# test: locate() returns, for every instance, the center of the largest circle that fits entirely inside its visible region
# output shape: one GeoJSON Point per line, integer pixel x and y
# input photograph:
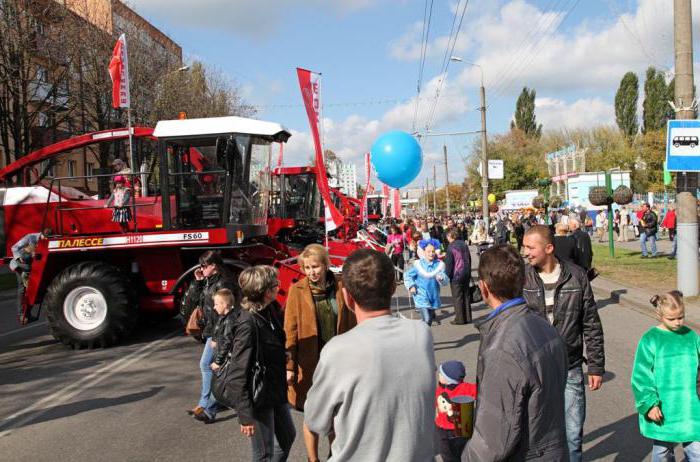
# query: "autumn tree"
{"type": "Point", "coordinates": [655, 106]}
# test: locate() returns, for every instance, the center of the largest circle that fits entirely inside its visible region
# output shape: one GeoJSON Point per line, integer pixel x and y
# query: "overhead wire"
{"type": "Point", "coordinates": [548, 24]}
{"type": "Point", "coordinates": [523, 65]}
{"type": "Point", "coordinates": [427, 12]}
{"type": "Point", "coordinates": [540, 25]}
{"type": "Point", "coordinates": [449, 49]}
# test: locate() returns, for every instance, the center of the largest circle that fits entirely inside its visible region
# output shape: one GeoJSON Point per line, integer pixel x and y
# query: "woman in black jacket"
{"type": "Point", "coordinates": [259, 338]}
{"type": "Point", "coordinates": [210, 277]}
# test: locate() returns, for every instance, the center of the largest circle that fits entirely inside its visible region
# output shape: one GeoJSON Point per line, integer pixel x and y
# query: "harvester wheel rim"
{"type": "Point", "coordinates": [85, 308]}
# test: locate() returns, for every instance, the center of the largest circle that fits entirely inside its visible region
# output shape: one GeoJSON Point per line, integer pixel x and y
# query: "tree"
{"type": "Point", "coordinates": [655, 104]}
{"type": "Point", "coordinates": [524, 118]}
{"type": "Point", "coordinates": [35, 103]}
{"type": "Point", "coordinates": [626, 105]}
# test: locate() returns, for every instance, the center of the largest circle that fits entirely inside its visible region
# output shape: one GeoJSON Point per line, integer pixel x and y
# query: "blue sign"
{"type": "Point", "coordinates": [683, 146]}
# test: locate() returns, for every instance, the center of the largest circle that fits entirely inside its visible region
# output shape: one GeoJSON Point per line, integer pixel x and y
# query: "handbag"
{"type": "Point", "coordinates": [475, 295]}
{"type": "Point", "coordinates": [193, 326]}
{"type": "Point", "coordinates": [219, 385]}
{"type": "Point", "coordinates": [257, 385]}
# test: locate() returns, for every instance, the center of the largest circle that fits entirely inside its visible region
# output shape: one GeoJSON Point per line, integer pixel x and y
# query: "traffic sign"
{"type": "Point", "coordinates": [683, 146]}
{"type": "Point", "coordinates": [495, 169]}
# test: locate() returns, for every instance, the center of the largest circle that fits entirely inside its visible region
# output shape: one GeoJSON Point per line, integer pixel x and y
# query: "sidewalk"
{"type": "Point", "coordinates": [608, 292]}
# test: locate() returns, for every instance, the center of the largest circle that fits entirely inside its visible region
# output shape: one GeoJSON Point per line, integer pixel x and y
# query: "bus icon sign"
{"type": "Point", "coordinates": [683, 146]}
{"type": "Point", "coordinates": [679, 141]}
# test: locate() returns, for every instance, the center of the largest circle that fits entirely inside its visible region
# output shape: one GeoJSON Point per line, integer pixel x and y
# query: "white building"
{"type": "Point", "coordinates": [347, 179]}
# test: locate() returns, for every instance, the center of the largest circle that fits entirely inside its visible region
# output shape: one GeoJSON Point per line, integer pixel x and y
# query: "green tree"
{"type": "Point", "coordinates": [524, 118]}
{"type": "Point", "coordinates": [626, 105]}
{"type": "Point", "coordinates": [655, 105]}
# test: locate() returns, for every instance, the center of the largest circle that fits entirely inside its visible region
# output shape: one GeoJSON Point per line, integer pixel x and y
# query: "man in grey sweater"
{"type": "Point", "coordinates": [374, 385]}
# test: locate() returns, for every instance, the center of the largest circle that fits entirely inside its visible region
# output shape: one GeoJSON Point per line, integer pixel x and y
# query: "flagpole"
{"type": "Point", "coordinates": [323, 154]}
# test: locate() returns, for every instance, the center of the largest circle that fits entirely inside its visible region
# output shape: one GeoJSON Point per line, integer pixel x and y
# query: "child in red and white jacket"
{"type": "Point", "coordinates": [450, 384]}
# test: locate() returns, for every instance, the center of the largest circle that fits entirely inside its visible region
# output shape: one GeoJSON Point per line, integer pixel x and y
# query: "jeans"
{"type": "Point", "coordinates": [574, 412]}
{"type": "Point", "coordinates": [675, 247]}
{"type": "Point", "coordinates": [428, 315]}
{"type": "Point", "coordinates": [207, 373]}
{"type": "Point", "coordinates": [663, 451]}
{"type": "Point", "coordinates": [643, 238]}
{"type": "Point", "coordinates": [274, 434]}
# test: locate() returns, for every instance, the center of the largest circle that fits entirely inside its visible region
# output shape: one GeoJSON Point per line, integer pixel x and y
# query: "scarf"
{"type": "Point", "coordinates": [326, 308]}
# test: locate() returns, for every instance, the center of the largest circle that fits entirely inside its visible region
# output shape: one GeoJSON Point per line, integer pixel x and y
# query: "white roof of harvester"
{"type": "Point", "coordinates": [220, 126]}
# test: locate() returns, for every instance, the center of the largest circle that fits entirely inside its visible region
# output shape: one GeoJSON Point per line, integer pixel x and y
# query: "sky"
{"type": "Point", "coordinates": [572, 52]}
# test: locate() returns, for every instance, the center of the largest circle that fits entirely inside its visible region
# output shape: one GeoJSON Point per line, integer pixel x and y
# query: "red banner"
{"type": "Point", "coordinates": [281, 156]}
{"type": "Point", "coordinates": [310, 93]}
{"type": "Point", "coordinates": [385, 200]}
{"type": "Point", "coordinates": [363, 204]}
{"type": "Point", "coordinates": [396, 199]}
{"type": "Point", "coordinates": [119, 73]}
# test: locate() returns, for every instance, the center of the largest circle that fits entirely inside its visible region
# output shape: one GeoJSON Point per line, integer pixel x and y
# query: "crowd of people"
{"type": "Point", "coordinates": [367, 379]}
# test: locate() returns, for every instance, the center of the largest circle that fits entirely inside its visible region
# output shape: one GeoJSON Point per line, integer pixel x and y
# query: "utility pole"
{"type": "Point", "coordinates": [686, 204]}
{"type": "Point", "coordinates": [434, 190]}
{"type": "Point", "coordinates": [426, 207]}
{"type": "Point", "coordinates": [484, 158]}
{"type": "Point", "coordinates": [447, 181]}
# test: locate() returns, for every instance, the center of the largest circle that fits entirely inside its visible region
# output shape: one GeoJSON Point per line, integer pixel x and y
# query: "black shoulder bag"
{"type": "Point", "coordinates": [257, 384]}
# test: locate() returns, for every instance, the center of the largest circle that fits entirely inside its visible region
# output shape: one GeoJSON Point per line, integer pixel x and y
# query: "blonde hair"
{"type": "Point", "coordinates": [670, 301]}
{"type": "Point", "coordinates": [562, 229]}
{"type": "Point", "coordinates": [227, 295]}
{"type": "Point", "coordinates": [316, 251]}
{"type": "Point", "coordinates": [255, 282]}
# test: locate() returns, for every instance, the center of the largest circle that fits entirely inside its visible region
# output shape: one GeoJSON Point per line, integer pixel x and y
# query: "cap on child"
{"type": "Point", "coordinates": [452, 372]}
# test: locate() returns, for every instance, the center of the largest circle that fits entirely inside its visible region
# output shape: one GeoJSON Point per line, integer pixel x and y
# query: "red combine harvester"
{"type": "Point", "coordinates": [210, 190]}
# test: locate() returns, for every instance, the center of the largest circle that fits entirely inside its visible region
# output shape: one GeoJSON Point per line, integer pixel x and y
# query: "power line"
{"type": "Point", "coordinates": [446, 60]}
{"type": "Point", "coordinates": [523, 65]}
{"type": "Point", "coordinates": [424, 51]}
{"type": "Point", "coordinates": [545, 22]}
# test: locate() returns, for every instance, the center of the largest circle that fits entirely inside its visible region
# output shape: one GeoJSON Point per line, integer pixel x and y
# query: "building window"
{"type": "Point", "coordinates": [71, 167]}
{"type": "Point", "coordinates": [42, 75]}
{"type": "Point", "coordinates": [90, 169]}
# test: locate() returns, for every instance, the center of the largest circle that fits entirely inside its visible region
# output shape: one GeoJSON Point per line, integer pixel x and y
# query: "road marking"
{"type": "Point", "coordinates": [22, 329]}
{"type": "Point", "coordinates": [91, 380]}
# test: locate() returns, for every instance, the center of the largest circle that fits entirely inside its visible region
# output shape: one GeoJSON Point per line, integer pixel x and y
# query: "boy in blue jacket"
{"type": "Point", "coordinates": [424, 278]}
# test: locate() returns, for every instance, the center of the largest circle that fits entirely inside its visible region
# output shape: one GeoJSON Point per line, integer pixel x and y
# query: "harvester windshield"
{"type": "Point", "coordinates": [218, 172]}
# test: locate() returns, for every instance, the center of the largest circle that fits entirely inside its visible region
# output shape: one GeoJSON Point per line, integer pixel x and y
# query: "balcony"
{"type": "Point", "coordinates": [42, 93]}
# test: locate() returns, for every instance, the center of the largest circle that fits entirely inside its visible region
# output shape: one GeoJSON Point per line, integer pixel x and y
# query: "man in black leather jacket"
{"type": "Point", "coordinates": [561, 293]}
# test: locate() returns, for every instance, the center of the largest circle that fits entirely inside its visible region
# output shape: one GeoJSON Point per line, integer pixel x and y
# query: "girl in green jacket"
{"type": "Point", "coordinates": [665, 381]}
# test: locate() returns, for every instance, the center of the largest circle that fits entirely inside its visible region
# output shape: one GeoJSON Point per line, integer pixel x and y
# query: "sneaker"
{"type": "Point", "coordinates": [204, 417]}
{"type": "Point", "coordinates": [644, 256]}
{"type": "Point", "coordinates": [671, 257]}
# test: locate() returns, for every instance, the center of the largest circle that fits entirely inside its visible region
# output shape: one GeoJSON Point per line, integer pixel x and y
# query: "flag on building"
{"type": "Point", "coordinates": [309, 83]}
{"type": "Point", "coordinates": [119, 73]}
{"type": "Point", "coordinates": [396, 203]}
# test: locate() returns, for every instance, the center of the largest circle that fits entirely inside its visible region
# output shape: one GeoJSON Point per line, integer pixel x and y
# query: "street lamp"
{"type": "Point", "coordinates": [484, 153]}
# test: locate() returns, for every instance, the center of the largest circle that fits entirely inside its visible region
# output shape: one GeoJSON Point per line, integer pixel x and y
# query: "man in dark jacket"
{"type": "Point", "coordinates": [649, 225]}
{"type": "Point", "coordinates": [458, 266]}
{"type": "Point", "coordinates": [583, 251]}
{"type": "Point", "coordinates": [521, 372]}
{"type": "Point", "coordinates": [561, 293]}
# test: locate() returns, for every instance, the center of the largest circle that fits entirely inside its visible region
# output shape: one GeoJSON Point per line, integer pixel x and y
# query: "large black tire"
{"type": "Point", "coordinates": [90, 284]}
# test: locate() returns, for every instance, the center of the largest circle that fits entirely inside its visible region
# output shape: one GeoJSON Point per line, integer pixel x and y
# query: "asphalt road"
{"type": "Point", "coordinates": [129, 402]}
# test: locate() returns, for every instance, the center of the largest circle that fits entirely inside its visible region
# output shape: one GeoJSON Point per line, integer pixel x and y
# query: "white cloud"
{"type": "Point", "coordinates": [516, 44]}
{"type": "Point", "coordinates": [249, 18]}
{"type": "Point", "coordinates": [554, 113]}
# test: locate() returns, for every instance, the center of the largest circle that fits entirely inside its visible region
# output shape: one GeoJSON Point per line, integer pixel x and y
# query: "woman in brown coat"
{"type": "Point", "coordinates": [315, 312]}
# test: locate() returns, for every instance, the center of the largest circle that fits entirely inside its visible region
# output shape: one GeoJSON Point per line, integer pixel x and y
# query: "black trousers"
{"type": "Point", "coordinates": [460, 297]}
{"type": "Point", "coordinates": [450, 447]}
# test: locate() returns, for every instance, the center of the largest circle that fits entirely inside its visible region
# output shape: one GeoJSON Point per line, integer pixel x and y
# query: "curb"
{"type": "Point", "coordinates": [622, 297]}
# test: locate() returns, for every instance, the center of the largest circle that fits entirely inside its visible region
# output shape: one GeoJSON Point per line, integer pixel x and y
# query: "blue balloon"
{"type": "Point", "coordinates": [397, 158]}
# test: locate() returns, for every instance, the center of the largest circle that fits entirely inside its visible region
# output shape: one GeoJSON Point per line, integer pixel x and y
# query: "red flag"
{"type": "Point", "coordinates": [396, 199]}
{"type": "Point", "coordinates": [281, 156]}
{"type": "Point", "coordinates": [310, 94]}
{"type": "Point", "coordinates": [119, 72]}
{"type": "Point", "coordinates": [385, 200]}
{"type": "Point", "coordinates": [363, 204]}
